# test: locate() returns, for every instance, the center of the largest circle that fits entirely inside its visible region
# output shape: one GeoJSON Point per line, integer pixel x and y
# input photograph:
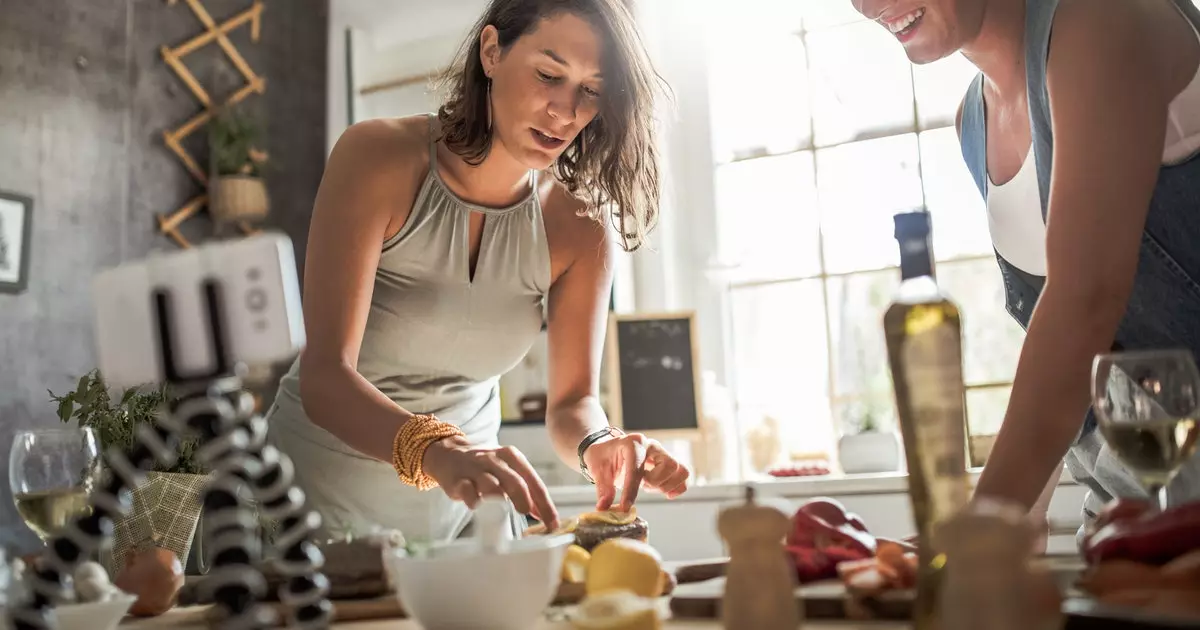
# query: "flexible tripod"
{"type": "Point", "coordinates": [213, 406]}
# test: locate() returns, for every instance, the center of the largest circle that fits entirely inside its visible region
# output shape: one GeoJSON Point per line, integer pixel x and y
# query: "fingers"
{"type": "Point", "coordinates": [510, 482]}
{"type": "Point", "coordinates": [463, 490]}
{"type": "Point", "coordinates": [538, 495]}
{"type": "Point", "coordinates": [606, 493]}
{"type": "Point", "coordinates": [634, 458]}
{"type": "Point", "coordinates": [664, 473]}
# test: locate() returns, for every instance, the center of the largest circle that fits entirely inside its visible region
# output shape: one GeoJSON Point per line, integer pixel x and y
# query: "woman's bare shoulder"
{"type": "Point", "coordinates": [571, 231]}
{"type": "Point", "coordinates": [384, 144]}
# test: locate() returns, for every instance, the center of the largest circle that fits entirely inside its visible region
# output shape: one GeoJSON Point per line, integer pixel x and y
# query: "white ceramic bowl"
{"type": "Point", "coordinates": [91, 616]}
{"type": "Point", "coordinates": [457, 587]}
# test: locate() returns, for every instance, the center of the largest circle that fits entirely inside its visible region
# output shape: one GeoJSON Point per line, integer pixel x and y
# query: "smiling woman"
{"type": "Point", "coordinates": [438, 245]}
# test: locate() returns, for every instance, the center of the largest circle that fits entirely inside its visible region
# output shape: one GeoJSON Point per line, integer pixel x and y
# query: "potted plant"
{"type": "Point", "coordinates": [236, 190]}
{"type": "Point", "coordinates": [167, 506]}
{"type": "Point", "coordinates": [866, 447]}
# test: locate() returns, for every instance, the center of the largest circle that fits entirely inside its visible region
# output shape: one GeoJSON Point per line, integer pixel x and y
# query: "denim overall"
{"type": "Point", "coordinates": [1164, 307]}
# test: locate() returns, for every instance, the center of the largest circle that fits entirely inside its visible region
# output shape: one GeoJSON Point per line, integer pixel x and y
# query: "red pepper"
{"type": "Point", "coordinates": [1152, 538]}
{"type": "Point", "coordinates": [814, 565]}
{"type": "Point", "coordinates": [824, 524]}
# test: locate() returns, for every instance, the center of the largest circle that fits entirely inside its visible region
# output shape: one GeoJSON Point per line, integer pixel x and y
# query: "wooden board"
{"type": "Point", "coordinates": [827, 601]}
{"type": "Point", "coordinates": [655, 375]}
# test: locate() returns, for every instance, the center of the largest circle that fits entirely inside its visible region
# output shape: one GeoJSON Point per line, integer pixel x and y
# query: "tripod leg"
{"type": "Point", "coordinates": [305, 592]}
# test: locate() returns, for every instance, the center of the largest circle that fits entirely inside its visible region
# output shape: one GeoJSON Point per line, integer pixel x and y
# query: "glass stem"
{"type": "Point", "coordinates": [1159, 491]}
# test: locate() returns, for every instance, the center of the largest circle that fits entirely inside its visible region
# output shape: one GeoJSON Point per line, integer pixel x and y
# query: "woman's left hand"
{"type": "Point", "coordinates": [633, 460]}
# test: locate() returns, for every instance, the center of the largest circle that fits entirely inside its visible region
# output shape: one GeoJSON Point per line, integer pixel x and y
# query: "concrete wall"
{"type": "Point", "coordinates": [84, 98]}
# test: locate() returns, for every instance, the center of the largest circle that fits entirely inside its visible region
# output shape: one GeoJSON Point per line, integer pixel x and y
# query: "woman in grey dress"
{"type": "Point", "coordinates": [439, 243]}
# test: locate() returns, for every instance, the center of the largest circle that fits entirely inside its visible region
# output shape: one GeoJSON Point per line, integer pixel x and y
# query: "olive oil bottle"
{"type": "Point", "coordinates": [924, 342]}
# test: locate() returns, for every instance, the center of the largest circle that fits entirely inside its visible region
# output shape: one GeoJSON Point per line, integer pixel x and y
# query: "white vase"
{"type": "Point", "coordinates": [869, 452]}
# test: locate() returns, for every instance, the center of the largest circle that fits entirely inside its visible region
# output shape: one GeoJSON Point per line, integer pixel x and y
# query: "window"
{"type": "Point", "coordinates": [821, 131]}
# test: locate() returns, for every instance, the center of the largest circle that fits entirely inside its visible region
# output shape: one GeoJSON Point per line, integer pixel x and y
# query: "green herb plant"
{"type": "Point", "coordinates": [115, 421]}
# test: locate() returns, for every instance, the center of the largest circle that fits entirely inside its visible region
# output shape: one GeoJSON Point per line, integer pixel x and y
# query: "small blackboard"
{"type": "Point", "coordinates": [656, 382]}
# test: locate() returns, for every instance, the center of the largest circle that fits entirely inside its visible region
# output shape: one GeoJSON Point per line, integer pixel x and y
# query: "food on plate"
{"type": "Point", "coordinates": [800, 469]}
{"type": "Point", "coordinates": [625, 564]}
{"type": "Point", "coordinates": [892, 567]}
{"type": "Point", "coordinates": [593, 528]}
{"type": "Point", "coordinates": [154, 575]}
{"type": "Point", "coordinates": [1144, 536]}
{"type": "Point", "coordinates": [575, 563]}
{"type": "Point", "coordinates": [616, 610]}
{"type": "Point", "coordinates": [824, 535]}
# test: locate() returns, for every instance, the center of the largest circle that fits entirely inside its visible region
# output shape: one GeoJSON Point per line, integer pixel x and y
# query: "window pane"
{"type": "Point", "coordinates": [861, 186]}
{"type": "Point", "coordinates": [985, 409]}
{"type": "Point", "coordinates": [856, 306]}
{"type": "Point", "coordinates": [820, 14]}
{"type": "Point", "coordinates": [767, 218]}
{"type": "Point", "coordinates": [758, 108]}
{"type": "Point", "coordinates": [861, 83]}
{"type": "Point", "coordinates": [781, 365]}
{"type": "Point", "coordinates": [991, 338]}
{"type": "Point", "coordinates": [960, 224]}
{"type": "Point", "coordinates": [940, 87]}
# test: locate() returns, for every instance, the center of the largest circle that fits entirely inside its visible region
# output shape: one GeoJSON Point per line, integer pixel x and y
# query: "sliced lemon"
{"type": "Point", "coordinates": [611, 517]}
{"type": "Point", "coordinates": [616, 610]}
{"type": "Point", "coordinates": [575, 564]}
{"type": "Point", "coordinates": [625, 564]}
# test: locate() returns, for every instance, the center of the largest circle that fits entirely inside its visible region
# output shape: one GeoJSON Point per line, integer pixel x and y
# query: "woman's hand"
{"type": "Point", "coordinates": [634, 460]}
{"type": "Point", "coordinates": [467, 474]}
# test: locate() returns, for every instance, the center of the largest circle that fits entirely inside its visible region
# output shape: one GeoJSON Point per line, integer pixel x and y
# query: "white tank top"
{"type": "Point", "coordinates": [1015, 208]}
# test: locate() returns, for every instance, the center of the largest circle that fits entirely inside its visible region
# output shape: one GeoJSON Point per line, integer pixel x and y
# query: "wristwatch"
{"type": "Point", "coordinates": [591, 439]}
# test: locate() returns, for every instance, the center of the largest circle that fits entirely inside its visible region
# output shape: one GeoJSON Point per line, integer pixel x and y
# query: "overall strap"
{"type": "Point", "coordinates": [1039, 19]}
{"type": "Point", "coordinates": [973, 134]}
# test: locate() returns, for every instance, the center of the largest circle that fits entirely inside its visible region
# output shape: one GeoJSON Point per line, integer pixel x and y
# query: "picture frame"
{"type": "Point", "coordinates": [16, 236]}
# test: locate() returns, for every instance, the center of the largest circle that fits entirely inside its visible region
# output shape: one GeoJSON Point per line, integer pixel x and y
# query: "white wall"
{"type": "Point", "coordinates": [391, 39]}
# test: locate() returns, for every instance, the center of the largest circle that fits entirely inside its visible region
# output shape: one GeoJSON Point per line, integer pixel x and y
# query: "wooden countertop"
{"type": "Point", "coordinates": [192, 618]}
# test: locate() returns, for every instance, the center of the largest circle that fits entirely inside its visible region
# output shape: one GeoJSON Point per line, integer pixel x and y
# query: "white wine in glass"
{"type": "Point", "coordinates": [51, 473]}
{"type": "Point", "coordinates": [1147, 405]}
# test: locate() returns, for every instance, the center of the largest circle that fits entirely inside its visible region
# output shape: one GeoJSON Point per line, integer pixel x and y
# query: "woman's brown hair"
{"type": "Point", "coordinates": [613, 164]}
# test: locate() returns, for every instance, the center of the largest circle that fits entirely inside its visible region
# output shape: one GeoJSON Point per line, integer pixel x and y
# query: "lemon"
{"type": "Point", "coordinates": [625, 564]}
{"type": "Point", "coordinates": [616, 610]}
{"type": "Point", "coordinates": [575, 563]}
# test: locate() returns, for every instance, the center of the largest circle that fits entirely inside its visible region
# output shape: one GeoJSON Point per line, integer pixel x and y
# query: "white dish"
{"type": "Point", "coordinates": [105, 615]}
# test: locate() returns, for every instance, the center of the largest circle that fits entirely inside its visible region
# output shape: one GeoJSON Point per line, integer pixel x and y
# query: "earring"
{"type": "Point", "coordinates": [489, 103]}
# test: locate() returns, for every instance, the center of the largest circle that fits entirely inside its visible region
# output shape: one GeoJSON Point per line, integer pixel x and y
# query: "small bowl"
{"type": "Point", "coordinates": [459, 587]}
{"type": "Point", "coordinates": [105, 615]}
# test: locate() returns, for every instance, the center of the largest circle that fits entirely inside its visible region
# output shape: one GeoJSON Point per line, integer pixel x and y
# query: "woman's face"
{"type": "Point", "coordinates": [928, 29]}
{"type": "Point", "coordinates": [545, 89]}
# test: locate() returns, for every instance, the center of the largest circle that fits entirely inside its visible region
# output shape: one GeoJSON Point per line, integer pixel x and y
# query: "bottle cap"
{"type": "Point", "coordinates": [913, 225]}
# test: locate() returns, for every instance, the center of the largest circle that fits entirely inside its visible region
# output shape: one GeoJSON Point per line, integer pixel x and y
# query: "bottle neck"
{"type": "Point", "coordinates": [916, 259]}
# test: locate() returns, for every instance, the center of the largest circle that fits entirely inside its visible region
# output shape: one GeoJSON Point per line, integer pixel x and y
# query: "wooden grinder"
{"type": "Point", "coordinates": [760, 585]}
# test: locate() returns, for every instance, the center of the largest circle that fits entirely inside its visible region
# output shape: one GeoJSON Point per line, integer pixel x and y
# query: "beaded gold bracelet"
{"type": "Point", "coordinates": [410, 443]}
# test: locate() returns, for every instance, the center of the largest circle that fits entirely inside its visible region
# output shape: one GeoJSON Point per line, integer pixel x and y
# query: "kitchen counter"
{"type": "Point", "coordinates": [192, 619]}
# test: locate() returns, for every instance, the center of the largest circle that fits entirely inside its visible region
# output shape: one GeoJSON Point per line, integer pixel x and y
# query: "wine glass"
{"type": "Point", "coordinates": [1147, 404]}
{"type": "Point", "coordinates": [51, 473]}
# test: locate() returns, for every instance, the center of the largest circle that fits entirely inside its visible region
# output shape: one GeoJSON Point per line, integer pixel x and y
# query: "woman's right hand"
{"type": "Point", "coordinates": [467, 474]}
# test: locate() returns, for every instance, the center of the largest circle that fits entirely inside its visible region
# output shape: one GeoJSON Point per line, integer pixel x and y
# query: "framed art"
{"type": "Point", "coordinates": [16, 229]}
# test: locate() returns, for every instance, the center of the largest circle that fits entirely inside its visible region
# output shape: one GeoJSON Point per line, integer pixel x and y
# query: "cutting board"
{"type": "Point", "coordinates": [389, 607]}
{"type": "Point", "coordinates": [828, 601]}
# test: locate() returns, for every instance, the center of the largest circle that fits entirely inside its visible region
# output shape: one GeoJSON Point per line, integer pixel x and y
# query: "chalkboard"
{"type": "Point", "coordinates": [657, 384]}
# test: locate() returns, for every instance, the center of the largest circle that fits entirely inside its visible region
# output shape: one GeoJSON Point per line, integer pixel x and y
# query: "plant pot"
{"type": "Point", "coordinates": [869, 452]}
{"type": "Point", "coordinates": [166, 509]}
{"type": "Point", "coordinates": [238, 198]}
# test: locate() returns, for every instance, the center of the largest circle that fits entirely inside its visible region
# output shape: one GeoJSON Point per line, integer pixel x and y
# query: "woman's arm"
{"type": "Point", "coordinates": [357, 206]}
{"type": "Point", "coordinates": [577, 322]}
{"type": "Point", "coordinates": [1110, 85]}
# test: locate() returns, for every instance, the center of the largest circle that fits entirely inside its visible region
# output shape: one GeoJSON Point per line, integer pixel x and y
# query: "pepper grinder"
{"type": "Point", "coordinates": [760, 584]}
